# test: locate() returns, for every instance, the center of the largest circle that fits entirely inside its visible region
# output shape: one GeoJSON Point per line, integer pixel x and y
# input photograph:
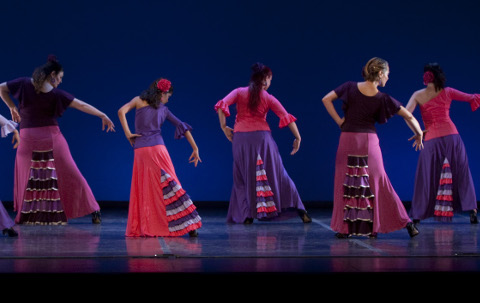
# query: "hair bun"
{"type": "Point", "coordinates": [257, 67]}
{"type": "Point", "coordinates": [52, 58]}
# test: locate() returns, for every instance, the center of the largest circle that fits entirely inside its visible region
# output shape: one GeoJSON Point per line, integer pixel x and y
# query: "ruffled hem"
{"type": "Point", "coordinates": [443, 204]}
{"type": "Point", "coordinates": [9, 127]}
{"type": "Point", "coordinates": [284, 121]}
{"type": "Point", "coordinates": [181, 129]}
{"type": "Point", "coordinates": [223, 106]}
{"type": "Point", "coordinates": [265, 204]}
{"type": "Point", "coordinates": [181, 213]}
{"type": "Point", "coordinates": [42, 204]}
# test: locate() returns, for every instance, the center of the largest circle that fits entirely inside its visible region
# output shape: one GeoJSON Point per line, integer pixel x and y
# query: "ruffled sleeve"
{"type": "Point", "coordinates": [390, 108]}
{"type": "Point", "coordinates": [473, 99]}
{"type": "Point", "coordinates": [6, 126]}
{"type": "Point", "coordinates": [223, 106]}
{"type": "Point", "coordinates": [180, 127]}
{"type": "Point", "coordinates": [285, 120]}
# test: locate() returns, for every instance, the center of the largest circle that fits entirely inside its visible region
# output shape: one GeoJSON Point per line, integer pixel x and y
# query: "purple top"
{"type": "Point", "coordinates": [148, 124]}
{"type": "Point", "coordinates": [361, 111]}
{"type": "Point", "coordinates": [38, 109]}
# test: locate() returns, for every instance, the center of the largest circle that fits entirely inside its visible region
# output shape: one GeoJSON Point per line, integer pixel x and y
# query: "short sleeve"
{"type": "Point", "coordinates": [389, 108]}
{"type": "Point", "coordinates": [342, 90]}
{"type": "Point", "coordinates": [180, 127]}
{"type": "Point", "coordinates": [63, 101]}
{"type": "Point", "coordinates": [15, 86]}
{"type": "Point", "coordinates": [228, 100]}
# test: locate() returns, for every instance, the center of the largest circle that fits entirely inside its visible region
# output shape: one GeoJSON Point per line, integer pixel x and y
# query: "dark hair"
{"type": "Point", "coordinates": [152, 94]}
{"type": "Point", "coordinates": [41, 73]}
{"type": "Point", "coordinates": [438, 74]}
{"type": "Point", "coordinates": [373, 67]}
{"type": "Point", "coordinates": [259, 73]}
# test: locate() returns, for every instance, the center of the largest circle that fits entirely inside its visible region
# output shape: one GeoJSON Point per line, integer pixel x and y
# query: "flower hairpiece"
{"type": "Point", "coordinates": [164, 85]}
{"type": "Point", "coordinates": [428, 77]}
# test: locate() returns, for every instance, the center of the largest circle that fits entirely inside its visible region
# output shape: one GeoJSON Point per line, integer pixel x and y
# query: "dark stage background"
{"type": "Point", "coordinates": [112, 50]}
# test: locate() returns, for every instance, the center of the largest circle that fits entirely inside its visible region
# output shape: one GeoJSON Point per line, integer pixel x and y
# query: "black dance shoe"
{"type": "Point", "coordinates": [193, 233]}
{"type": "Point", "coordinates": [10, 231]}
{"type": "Point", "coordinates": [304, 216]}
{"type": "Point", "coordinates": [96, 218]}
{"type": "Point", "coordinates": [342, 236]}
{"type": "Point", "coordinates": [412, 230]}
{"type": "Point", "coordinates": [248, 221]}
{"type": "Point", "coordinates": [473, 216]}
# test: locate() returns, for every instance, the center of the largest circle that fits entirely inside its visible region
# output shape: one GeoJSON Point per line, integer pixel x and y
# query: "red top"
{"type": "Point", "coordinates": [247, 120]}
{"type": "Point", "coordinates": [436, 112]}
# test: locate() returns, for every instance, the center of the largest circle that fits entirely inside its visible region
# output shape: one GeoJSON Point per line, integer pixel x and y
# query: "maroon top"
{"type": "Point", "coordinates": [361, 111]}
{"type": "Point", "coordinates": [38, 109]}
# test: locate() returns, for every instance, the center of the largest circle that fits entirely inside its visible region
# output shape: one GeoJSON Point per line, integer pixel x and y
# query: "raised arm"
{"type": "Point", "coordinates": [414, 126]}
{"type": "Point", "coordinates": [328, 103]}
{"type": "Point", "coordinates": [5, 95]}
{"type": "Point", "coordinates": [89, 109]}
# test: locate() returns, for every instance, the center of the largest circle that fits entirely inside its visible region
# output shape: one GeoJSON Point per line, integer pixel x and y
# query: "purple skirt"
{"type": "Point", "coordinates": [434, 195]}
{"type": "Point", "coordinates": [5, 220]}
{"type": "Point", "coordinates": [262, 188]}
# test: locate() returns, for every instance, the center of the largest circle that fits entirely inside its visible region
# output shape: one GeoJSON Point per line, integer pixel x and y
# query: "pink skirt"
{"type": "Point", "coordinates": [369, 199]}
{"type": "Point", "coordinates": [159, 206]}
{"type": "Point", "coordinates": [48, 186]}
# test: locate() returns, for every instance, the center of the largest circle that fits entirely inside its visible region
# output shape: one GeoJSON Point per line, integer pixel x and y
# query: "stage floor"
{"type": "Point", "coordinates": [263, 247]}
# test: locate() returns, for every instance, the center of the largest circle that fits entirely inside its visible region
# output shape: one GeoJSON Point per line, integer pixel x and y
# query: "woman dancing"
{"type": "Point", "coordinates": [365, 202]}
{"type": "Point", "coordinates": [443, 182]}
{"type": "Point", "coordinates": [262, 188]}
{"type": "Point", "coordinates": [48, 188]}
{"type": "Point", "coordinates": [159, 206]}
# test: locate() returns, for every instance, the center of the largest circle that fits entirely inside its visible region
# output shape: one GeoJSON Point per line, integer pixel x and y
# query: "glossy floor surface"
{"type": "Point", "coordinates": [281, 247]}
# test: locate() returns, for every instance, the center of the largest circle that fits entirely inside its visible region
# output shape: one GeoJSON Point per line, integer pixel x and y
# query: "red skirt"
{"type": "Point", "coordinates": [159, 206]}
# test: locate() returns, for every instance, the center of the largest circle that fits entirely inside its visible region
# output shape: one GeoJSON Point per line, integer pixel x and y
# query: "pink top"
{"type": "Point", "coordinates": [246, 120]}
{"type": "Point", "coordinates": [436, 112]}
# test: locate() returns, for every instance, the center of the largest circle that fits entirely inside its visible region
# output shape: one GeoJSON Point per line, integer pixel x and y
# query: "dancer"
{"type": "Point", "coordinates": [6, 223]}
{"type": "Point", "coordinates": [48, 188]}
{"type": "Point", "coordinates": [159, 206]}
{"type": "Point", "coordinates": [262, 188]}
{"type": "Point", "coordinates": [443, 182]}
{"type": "Point", "coordinates": [365, 202]}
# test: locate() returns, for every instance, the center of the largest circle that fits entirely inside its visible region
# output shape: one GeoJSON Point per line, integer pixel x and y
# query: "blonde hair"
{"type": "Point", "coordinates": [373, 67]}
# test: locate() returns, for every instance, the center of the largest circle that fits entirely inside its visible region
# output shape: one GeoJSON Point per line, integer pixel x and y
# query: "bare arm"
{"type": "Point", "coordinates": [223, 125]}
{"type": "Point", "coordinates": [414, 126]}
{"type": "Point", "coordinates": [328, 103]}
{"type": "Point", "coordinates": [5, 95]}
{"type": "Point", "coordinates": [122, 116]}
{"type": "Point", "coordinates": [296, 143]}
{"type": "Point", "coordinates": [194, 157]}
{"type": "Point", "coordinates": [412, 103]}
{"type": "Point", "coordinates": [89, 109]}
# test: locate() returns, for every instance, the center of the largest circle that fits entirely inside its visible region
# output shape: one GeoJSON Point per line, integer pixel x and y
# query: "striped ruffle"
{"type": "Point", "coordinates": [357, 196]}
{"type": "Point", "coordinates": [265, 203]}
{"type": "Point", "coordinates": [42, 204]}
{"type": "Point", "coordinates": [182, 215]}
{"type": "Point", "coordinates": [444, 200]}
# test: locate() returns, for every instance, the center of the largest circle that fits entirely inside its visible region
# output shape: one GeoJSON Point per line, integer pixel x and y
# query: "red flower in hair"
{"type": "Point", "coordinates": [428, 77]}
{"type": "Point", "coordinates": [164, 85]}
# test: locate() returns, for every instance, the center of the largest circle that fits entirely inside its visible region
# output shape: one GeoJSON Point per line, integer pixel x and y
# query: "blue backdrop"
{"type": "Point", "coordinates": [112, 50]}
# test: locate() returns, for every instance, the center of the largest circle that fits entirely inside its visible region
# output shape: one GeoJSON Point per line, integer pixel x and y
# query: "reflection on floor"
{"type": "Point", "coordinates": [263, 247]}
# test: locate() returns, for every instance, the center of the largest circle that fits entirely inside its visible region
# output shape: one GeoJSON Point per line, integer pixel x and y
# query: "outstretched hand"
{"type": "Point", "coordinates": [418, 143]}
{"type": "Point", "coordinates": [194, 158]}
{"type": "Point", "coordinates": [296, 146]}
{"type": "Point", "coordinates": [108, 123]}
